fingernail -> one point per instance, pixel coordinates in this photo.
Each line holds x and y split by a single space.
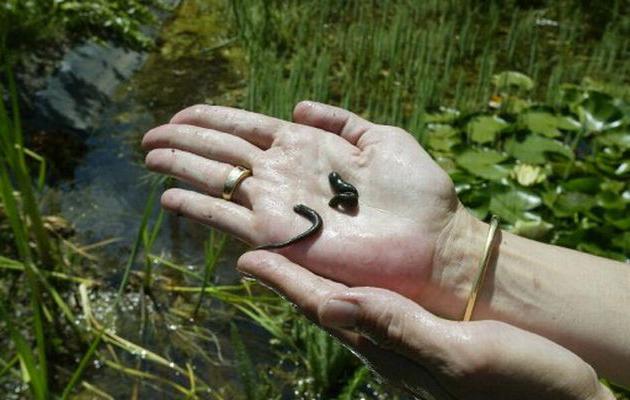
339 314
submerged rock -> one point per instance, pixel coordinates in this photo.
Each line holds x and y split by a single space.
77 92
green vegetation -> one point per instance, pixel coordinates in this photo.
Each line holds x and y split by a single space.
34 24
394 61
558 174
546 148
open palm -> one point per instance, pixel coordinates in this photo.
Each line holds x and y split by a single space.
406 200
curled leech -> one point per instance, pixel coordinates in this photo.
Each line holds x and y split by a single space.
346 195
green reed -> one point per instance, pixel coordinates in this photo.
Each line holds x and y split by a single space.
392 60
142 235
25 220
213 249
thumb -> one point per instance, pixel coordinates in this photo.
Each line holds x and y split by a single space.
392 322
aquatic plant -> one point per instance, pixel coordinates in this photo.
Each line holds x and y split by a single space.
25 25
554 173
392 60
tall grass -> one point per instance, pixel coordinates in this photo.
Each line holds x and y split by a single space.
24 218
42 256
392 60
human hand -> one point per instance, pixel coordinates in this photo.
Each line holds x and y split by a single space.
406 206
431 357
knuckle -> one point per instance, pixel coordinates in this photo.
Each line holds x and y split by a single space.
383 328
259 160
470 365
397 326
475 357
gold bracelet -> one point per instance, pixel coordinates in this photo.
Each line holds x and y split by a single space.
483 266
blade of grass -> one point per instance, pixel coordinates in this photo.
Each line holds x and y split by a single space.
213 249
123 283
35 374
245 366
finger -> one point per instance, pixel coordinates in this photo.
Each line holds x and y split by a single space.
333 119
371 310
308 291
207 143
393 322
396 369
206 175
457 354
297 284
217 213
258 129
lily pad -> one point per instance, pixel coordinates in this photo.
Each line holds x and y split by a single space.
610 200
532 229
589 184
512 79
444 115
567 123
513 205
596 250
623 169
609 159
619 139
483 163
547 124
515 104
615 187
534 149
599 113
441 137
618 219
448 165
485 128
477 200
569 238
569 203
623 241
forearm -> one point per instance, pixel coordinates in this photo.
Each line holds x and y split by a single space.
580 301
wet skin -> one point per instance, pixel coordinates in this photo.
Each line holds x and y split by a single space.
346 195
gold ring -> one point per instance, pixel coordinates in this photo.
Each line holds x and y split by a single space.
234 178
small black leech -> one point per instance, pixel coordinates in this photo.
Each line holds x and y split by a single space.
307 213
346 194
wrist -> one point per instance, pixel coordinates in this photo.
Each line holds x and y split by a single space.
458 251
545 289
